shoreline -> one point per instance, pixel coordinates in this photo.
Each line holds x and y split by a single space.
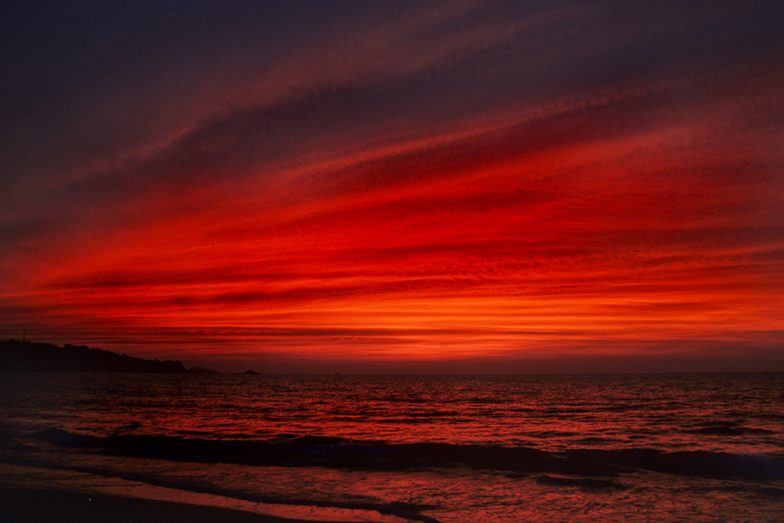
22 505
30 493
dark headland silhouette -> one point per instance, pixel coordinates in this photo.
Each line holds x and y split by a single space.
25 356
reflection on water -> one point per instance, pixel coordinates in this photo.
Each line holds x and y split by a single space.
736 413
449 449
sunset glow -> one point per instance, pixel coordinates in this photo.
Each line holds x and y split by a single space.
456 187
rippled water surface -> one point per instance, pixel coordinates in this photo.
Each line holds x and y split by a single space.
571 448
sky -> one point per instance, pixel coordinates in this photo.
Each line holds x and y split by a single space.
419 187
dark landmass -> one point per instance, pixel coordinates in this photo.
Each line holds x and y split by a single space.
45 357
250 372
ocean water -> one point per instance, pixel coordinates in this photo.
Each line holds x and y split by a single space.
702 447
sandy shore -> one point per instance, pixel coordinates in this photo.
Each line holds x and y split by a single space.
36 494
34 505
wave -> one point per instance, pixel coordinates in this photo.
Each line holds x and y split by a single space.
584 483
289 450
726 428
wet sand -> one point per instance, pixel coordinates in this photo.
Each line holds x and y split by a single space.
42 494
26 505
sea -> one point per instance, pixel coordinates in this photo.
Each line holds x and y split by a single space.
450 449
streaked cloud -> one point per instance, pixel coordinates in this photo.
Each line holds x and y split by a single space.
456 181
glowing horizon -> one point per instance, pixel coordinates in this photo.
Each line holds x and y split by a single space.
457 186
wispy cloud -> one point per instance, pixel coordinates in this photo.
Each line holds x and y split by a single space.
372 182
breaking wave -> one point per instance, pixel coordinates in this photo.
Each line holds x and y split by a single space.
287 450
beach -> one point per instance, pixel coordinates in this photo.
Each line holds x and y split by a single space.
29 494
26 505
